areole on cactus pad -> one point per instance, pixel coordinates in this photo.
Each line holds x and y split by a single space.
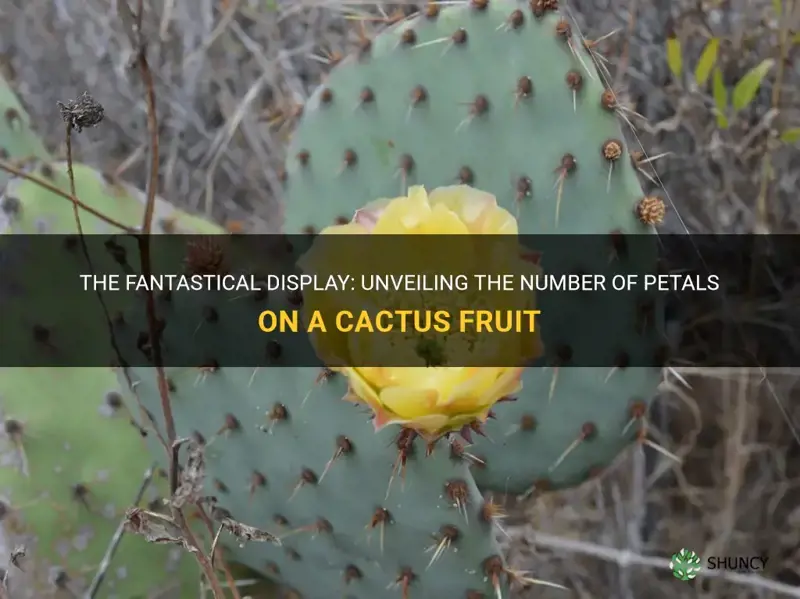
429 398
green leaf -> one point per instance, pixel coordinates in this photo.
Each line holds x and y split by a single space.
720 93
707 61
777 6
791 136
674 57
747 88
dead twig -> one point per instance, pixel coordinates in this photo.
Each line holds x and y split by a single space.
156 528
190 486
115 540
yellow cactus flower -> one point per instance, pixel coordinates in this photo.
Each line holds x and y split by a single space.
426 395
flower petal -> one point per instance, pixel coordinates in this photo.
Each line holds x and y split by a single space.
467 202
360 386
368 216
404 214
352 228
408 402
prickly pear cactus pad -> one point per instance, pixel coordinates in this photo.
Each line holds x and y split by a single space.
27 207
487 93
284 453
72 463
506 97
30 208
18 141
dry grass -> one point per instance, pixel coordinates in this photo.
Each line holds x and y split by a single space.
736 493
228 72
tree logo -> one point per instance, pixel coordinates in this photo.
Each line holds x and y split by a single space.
685 565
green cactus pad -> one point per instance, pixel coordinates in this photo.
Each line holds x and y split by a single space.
435 101
70 436
30 208
18 141
84 464
28 291
270 434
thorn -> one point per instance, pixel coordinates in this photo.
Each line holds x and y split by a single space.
458 493
433 42
609 101
493 514
563 357
253 377
493 568
642 439
367 96
417 96
277 414
307 477
330 59
654 158
230 425
567 166
622 361
405 449
523 191
588 430
564 30
575 83
475 459
15 431
446 536
405 166
478 107
679 376
514 21
527 423
524 579
380 518
638 413
599 60
403 581
204 370
324 375
319 527
395 17
343 446
257 481
491 511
